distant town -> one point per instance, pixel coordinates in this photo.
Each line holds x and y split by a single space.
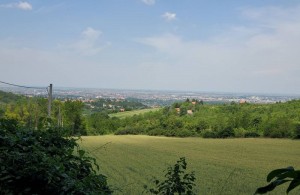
150 98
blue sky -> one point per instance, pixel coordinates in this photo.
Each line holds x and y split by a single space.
197 45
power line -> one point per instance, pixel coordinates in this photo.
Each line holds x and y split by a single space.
22 86
49 91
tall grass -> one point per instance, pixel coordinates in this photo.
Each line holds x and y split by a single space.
222 166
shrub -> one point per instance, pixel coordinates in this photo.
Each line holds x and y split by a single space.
155 132
207 133
37 162
297 131
176 182
251 134
128 131
279 127
275 132
185 133
169 132
225 133
201 125
239 132
8 124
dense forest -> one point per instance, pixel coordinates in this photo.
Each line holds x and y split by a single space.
182 119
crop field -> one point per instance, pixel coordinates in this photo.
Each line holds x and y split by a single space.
222 166
131 113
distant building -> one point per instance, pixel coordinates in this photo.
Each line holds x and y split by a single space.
242 101
190 112
177 109
194 102
122 110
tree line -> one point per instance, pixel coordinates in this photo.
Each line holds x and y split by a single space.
181 119
193 118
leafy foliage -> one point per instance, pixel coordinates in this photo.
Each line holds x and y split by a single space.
176 182
100 123
74 118
217 121
44 162
281 176
297 131
8 97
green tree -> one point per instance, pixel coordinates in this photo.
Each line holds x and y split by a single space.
100 123
73 117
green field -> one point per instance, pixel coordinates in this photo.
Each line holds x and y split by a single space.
131 113
222 166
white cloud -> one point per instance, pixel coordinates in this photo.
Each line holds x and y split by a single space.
149 2
23 5
168 16
89 43
253 57
168 43
91 34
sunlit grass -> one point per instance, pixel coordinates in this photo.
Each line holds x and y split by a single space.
131 113
222 166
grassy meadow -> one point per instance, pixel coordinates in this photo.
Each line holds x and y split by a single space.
125 114
222 166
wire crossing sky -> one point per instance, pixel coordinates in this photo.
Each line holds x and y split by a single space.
194 45
22 86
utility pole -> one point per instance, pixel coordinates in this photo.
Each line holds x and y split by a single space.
49 100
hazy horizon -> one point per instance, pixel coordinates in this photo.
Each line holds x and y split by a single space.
235 46
55 88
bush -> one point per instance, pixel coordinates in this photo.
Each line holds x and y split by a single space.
185 133
297 131
128 131
156 132
201 125
251 134
239 132
8 124
37 162
209 134
176 182
279 127
169 132
225 133
276 132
